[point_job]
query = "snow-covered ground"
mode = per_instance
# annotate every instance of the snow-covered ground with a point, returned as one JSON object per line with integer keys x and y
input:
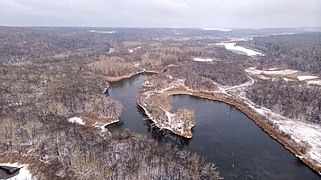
{"x": 285, "y": 74}
{"x": 276, "y": 34}
{"x": 217, "y": 29}
{"x": 135, "y": 49}
{"x": 102, "y": 32}
{"x": 102, "y": 127}
{"x": 76, "y": 120}
{"x": 24, "y": 173}
{"x": 253, "y": 70}
{"x": 232, "y": 47}
{"x": 110, "y": 50}
{"x": 203, "y": 60}
{"x": 302, "y": 78}
{"x": 303, "y": 133}
{"x": 315, "y": 82}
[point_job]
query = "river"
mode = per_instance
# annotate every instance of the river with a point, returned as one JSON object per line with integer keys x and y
{"x": 223, "y": 134}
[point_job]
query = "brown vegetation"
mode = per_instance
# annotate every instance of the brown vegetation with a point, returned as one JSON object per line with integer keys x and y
{"x": 41, "y": 89}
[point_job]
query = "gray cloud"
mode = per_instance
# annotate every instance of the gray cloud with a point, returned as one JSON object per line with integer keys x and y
{"x": 170, "y": 7}
{"x": 163, "y": 13}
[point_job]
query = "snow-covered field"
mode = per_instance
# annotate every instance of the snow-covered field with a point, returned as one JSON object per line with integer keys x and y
{"x": 232, "y": 47}
{"x": 102, "y": 32}
{"x": 76, "y": 120}
{"x": 285, "y": 74}
{"x": 304, "y": 133}
{"x": 203, "y": 60}
{"x": 217, "y": 29}
{"x": 302, "y": 78}
{"x": 253, "y": 70}
{"x": 24, "y": 173}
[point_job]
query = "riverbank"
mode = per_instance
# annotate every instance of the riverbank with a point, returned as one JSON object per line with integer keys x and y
{"x": 113, "y": 79}
{"x": 272, "y": 123}
{"x": 261, "y": 121}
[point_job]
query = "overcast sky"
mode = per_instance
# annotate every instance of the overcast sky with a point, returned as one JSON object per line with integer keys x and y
{"x": 162, "y": 13}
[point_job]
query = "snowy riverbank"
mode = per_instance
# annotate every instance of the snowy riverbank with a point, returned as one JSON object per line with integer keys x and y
{"x": 300, "y": 138}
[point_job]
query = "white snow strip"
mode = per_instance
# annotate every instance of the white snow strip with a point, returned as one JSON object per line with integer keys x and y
{"x": 217, "y": 29}
{"x": 286, "y": 79}
{"x": 102, "y": 32}
{"x": 24, "y": 173}
{"x": 273, "y": 69}
{"x": 76, "y": 120}
{"x": 253, "y": 70}
{"x": 315, "y": 82}
{"x": 231, "y": 46}
{"x": 302, "y": 78}
{"x": 284, "y": 71}
{"x": 301, "y": 132}
{"x": 275, "y": 34}
{"x": 203, "y": 60}
{"x": 130, "y": 50}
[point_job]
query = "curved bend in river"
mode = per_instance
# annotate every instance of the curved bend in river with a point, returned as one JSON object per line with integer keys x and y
{"x": 223, "y": 134}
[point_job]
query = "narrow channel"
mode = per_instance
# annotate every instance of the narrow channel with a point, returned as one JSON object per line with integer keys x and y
{"x": 223, "y": 134}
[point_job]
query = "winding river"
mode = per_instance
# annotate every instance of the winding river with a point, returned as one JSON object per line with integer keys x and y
{"x": 222, "y": 134}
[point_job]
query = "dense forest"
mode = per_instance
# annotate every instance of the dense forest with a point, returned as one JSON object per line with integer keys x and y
{"x": 51, "y": 74}
{"x": 299, "y": 51}
{"x": 288, "y": 98}
{"x": 48, "y": 77}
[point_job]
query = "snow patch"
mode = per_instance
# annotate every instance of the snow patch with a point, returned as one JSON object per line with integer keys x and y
{"x": 203, "y": 60}
{"x": 76, "y": 120}
{"x": 232, "y": 47}
{"x": 24, "y": 173}
{"x": 315, "y": 82}
{"x": 102, "y": 127}
{"x": 169, "y": 115}
{"x": 276, "y": 34}
{"x": 302, "y": 78}
{"x": 217, "y": 29}
{"x": 102, "y": 32}
{"x": 253, "y": 70}
{"x": 135, "y": 49}
{"x": 110, "y": 50}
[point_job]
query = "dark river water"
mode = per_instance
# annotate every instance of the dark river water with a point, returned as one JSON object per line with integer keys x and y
{"x": 223, "y": 134}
